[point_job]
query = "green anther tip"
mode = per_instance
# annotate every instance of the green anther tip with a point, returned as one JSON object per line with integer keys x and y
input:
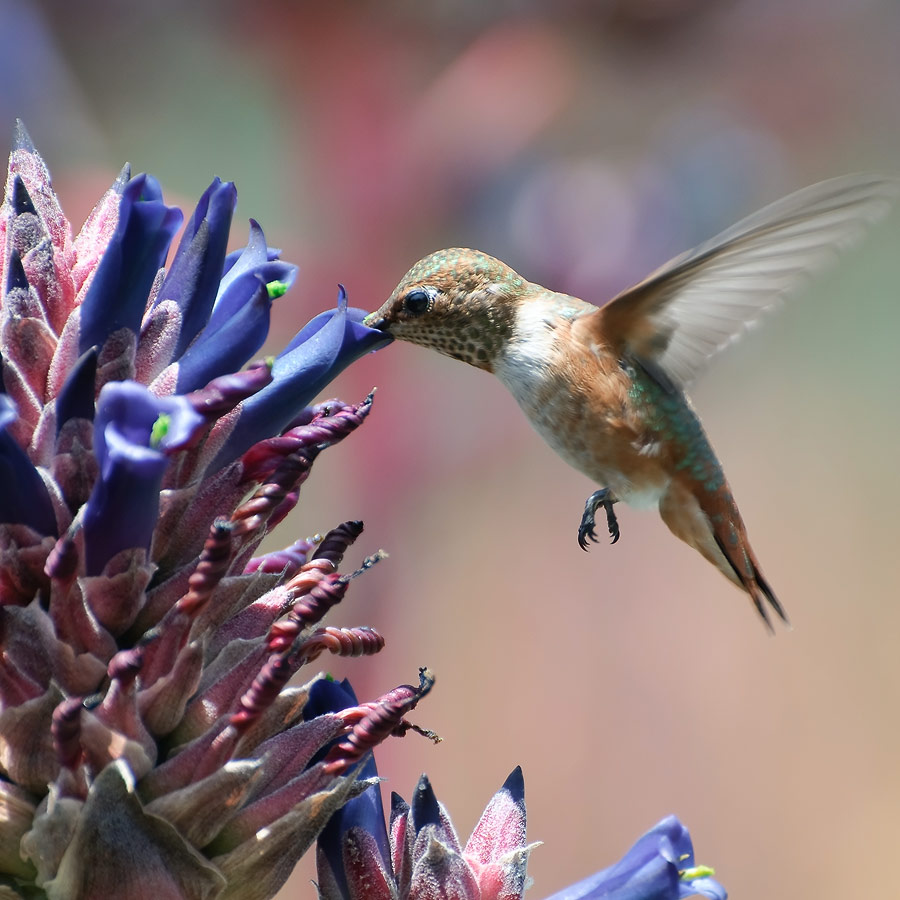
{"x": 270, "y": 362}
{"x": 160, "y": 429}
{"x": 276, "y": 289}
{"x": 696, "y": 872}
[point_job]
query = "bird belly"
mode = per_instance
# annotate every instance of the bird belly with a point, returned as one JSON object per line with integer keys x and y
{"x": 592, "y": 435}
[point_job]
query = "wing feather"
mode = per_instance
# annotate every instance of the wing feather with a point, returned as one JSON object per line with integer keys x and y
{"x": 696, "y": 304}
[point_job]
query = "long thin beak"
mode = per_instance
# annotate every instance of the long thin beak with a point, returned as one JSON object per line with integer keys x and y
{"x": 373, "y": 320}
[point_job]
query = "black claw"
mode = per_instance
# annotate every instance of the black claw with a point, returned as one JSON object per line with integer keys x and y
{"x": 586, "y": 530}
{"x": 612, "y": 523}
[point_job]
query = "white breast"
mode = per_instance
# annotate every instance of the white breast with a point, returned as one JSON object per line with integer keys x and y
{"x": 528, "y": 367}
{"x": 523, "y": 364}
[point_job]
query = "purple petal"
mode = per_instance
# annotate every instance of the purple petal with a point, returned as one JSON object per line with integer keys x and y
{"x": 316, "y": 356}
{"x": 650, "y": 870}
{"x": 7, "y": 411}
{"x": 706, "y": 886}
{"x": 117, "y": 296}
{"x": 254, "y": 255}
{"x": 239, "y": 323}
{"x": 193, "y": 278}
{"x": 134, "y": 410}
{"x": 227, "y": 343}
{"x": 365, "y": 812}
{"x": 232, "y": 258}
{"x": 122, "y": 510}
{"x": 241, "y": 290}
{"x": 23, "y": 496}
{"x": 75, "y": 399}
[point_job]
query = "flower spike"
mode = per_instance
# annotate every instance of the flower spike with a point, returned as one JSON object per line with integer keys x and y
{"x": 151, "y": 743}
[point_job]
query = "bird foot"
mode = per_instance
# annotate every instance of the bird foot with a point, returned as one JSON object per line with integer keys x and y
{"x": 586, "y": 530}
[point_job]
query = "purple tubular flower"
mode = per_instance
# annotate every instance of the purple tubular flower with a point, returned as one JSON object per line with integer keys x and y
{"x": 193, "y": 278}
{"x": 239, "y": 323}
{"x": 24, "y": 499}
{"x": 363, "y": 816}
{"x": 323, "y": 348}
{"x": 660, "y": 866}
{"x": 123, "y": 508}
{"x": 117, "y": 296}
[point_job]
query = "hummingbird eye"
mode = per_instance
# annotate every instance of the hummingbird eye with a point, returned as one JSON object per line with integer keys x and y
{"x": 417, "y": 302}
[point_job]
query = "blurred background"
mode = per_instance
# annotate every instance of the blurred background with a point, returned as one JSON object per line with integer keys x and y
{"x": 584, "y": 143}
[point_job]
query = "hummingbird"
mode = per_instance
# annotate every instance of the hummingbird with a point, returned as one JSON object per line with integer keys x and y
{"x": 605, "y": 385}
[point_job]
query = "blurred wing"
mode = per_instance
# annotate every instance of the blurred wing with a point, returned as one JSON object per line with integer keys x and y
{"x": 700, "y": 301}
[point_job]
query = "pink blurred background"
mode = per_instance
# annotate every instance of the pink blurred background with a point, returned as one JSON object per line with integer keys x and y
{"x": 584, "y": 143}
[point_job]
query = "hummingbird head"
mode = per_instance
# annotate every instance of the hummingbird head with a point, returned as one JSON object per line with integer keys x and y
{"x": 459, "y": 302}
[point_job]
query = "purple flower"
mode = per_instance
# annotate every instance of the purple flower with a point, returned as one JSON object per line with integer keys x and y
{"x": 136, "y": 251}
{"x": 361, "y": 820}
{"x": 660, "y": 866}
{"x": 237, "y": 320}
{"x": 151, "y": 745}
{"x": 134, "y": 434}
{"x": 322, "y": 349}
{"x": 193, "y": 279}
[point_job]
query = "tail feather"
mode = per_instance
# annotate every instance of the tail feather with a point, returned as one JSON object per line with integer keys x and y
{"x": 770, "y": 595}
{"x": 710, "y": 522}
{"x": 754, "y": 583}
